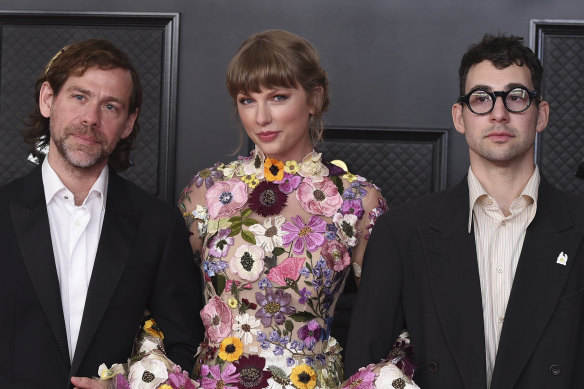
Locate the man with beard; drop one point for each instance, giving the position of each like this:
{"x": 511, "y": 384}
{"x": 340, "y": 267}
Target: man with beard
{"x": 488, "y": 277}
{"x": 84, "y": 252}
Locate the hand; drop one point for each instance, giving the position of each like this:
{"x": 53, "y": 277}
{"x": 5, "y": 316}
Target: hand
{"x": 88, "y": 383}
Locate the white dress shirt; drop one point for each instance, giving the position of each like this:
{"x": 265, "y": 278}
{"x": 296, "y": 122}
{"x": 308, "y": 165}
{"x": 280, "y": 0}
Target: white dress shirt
{"x": 75, "y": 232}
{"x": 499, "y": 240}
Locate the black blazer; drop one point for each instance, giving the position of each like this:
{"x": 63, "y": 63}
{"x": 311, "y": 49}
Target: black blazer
{"x": 143, "y": 261}
{"x": 420, "y": 272}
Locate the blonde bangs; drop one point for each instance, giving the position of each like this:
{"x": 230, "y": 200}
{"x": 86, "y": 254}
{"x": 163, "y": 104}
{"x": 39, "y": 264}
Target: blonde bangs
{"x": 262, "y": 64}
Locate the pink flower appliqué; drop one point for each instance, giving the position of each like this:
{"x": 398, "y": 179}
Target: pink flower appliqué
{"x": 336, "y": 255}
{"x": 363, "y": 379}
{"x": 226, "y": 197}
{"x": 309, "y": 235}
{"x": 217, "y": 319}
{"x": 289, "y": 268}
{"x": 218, "y": 379}
{"x": 319, "y": 198}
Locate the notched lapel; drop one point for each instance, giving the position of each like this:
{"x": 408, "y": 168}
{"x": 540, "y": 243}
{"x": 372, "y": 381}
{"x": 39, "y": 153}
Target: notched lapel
{"x": 34, "y": 239}
{"x": 450, "y": 254}
{"x": 117, "y": 235}
{"x": 537, "y": 286}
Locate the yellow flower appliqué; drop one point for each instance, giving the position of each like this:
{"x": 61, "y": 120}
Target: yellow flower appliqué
{"x": 291, "y": 167}
{"x": 232, "y": 302}
{"x": 230, "y": 349}
{"x": 273, "y": 169}
{"x": 250, "y": 180}
{"x": 303, "y": 377}
{"x": 152, "y": 328}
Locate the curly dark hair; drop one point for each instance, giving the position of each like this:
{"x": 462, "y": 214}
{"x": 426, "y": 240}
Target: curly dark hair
{"x": 502, "y": 51}
{"x": 74, "y": 60}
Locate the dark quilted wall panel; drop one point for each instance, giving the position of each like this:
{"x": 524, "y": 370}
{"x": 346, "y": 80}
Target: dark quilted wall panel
{"x": 26, "y": 48}
{"x": 561, "y": 146}
{"x": 404, "y": 164}
{"x": 402, "y": 170}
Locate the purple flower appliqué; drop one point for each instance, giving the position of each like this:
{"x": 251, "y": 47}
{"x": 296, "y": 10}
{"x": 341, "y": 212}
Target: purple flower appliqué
{"x": 310, "y": 333}
{"x": 274, "y": 305}
{"x": 288, "y": 183}
{"x": 220, "y": 244}
{"x": 207, "y": 176}
{"x": 354, "y": 207}
{"x": 305, "y": 295}
{"x": 309, "y": 235}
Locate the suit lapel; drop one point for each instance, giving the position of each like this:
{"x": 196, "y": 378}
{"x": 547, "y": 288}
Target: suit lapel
{"x": 31, "y": 224}
{"x": 537, "y": 285}
{"x": 450, "y": 255}
{"x": 117, "y": 235}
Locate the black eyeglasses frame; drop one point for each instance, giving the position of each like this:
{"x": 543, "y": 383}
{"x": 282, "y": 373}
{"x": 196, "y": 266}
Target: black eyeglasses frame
{"x": 465, "y": 99}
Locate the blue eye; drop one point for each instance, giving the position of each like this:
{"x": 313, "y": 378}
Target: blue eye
{"x": 280, "y": 98}
{"x": 78, "y": 97}
{"x": 110, "y": 107}
{"x": 245, "y": 100}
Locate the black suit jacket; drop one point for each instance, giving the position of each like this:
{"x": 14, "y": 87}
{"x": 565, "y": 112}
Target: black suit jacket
{"x": 143, "y": 261}
{"x": 420, "y": 272}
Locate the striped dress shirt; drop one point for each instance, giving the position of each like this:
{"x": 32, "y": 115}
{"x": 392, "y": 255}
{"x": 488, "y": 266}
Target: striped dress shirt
{"x": 499, "y": 240}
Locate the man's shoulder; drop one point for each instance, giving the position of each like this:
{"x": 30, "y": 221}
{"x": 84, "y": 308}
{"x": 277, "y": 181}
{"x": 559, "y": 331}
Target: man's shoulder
{"x": 126, "y": 194}
{"x": 17, "y": 187}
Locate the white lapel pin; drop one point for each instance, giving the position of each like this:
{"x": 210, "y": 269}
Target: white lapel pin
{"x": 562, "y": 259}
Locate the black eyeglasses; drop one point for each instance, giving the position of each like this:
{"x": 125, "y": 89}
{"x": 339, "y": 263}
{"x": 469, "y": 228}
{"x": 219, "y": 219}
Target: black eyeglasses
{"x": 516, "y": 100}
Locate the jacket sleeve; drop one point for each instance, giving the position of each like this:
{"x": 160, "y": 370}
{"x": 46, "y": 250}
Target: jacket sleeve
{"x": 377, "y": 318}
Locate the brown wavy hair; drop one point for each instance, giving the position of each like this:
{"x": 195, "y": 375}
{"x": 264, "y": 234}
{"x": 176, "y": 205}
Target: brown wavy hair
{"x": 280, "y": 59}
{"x": 74, "y": 60}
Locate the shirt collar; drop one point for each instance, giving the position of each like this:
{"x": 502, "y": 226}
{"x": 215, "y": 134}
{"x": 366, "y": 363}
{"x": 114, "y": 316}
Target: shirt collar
{"x": 52, "y": 184}
{"x": 476, "y": 191}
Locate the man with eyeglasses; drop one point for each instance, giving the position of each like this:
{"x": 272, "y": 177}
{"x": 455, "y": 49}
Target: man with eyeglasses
{"x": 488, "y": 277}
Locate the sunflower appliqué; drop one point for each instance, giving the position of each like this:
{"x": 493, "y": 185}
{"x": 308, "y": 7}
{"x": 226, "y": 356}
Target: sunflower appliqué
{"x": 230, "y": 349}
{"x": 303, "y": 377}
{"x": 273, "y": 169}
{"x": 152, "y": 328}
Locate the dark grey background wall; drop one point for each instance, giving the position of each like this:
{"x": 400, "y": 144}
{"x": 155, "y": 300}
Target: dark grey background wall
{"x": 391, "y": 63}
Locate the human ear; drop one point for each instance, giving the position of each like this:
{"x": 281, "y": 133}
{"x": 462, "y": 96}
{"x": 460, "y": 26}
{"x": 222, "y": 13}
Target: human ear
{"x": 46, "y": 96}
{"x": 457, "y": 118}
{"x": 315, "y": 99}
{"x": 543, "y": 114}
{"x": 129, "y": 126}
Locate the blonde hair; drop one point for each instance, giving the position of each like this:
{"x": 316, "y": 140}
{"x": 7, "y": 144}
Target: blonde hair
{"x": 277, "y": 58}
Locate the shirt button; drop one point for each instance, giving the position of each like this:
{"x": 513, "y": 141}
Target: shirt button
{"x": 503, "y": 223}
{"x": 433, "y": 367}
{"x": 500, "y": 269}
{"x": 501, "y": 318}
{"x": 555, "y": 369}
{"x": 489, "y": 202}
{"x": 76, "y": 223}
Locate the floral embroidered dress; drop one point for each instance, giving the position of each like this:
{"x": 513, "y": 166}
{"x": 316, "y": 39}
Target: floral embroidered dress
{"x": 276, "y": 240}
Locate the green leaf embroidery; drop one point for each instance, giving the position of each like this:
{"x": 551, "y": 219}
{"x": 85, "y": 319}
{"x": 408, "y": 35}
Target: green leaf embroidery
{"x": 245, "y": 213}
{"x": 338, "y": 183}
{"x": 289, "y": 325}
{"x": 218, "y": 282}
{"x": 277, "y": 251}
{"x": 302, "y": 316}
{"x": 248, "y": 237}
{"x": 250, "y": 222}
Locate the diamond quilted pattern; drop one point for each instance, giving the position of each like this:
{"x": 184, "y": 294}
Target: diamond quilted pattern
{"x": 562, "y": 143}
{"x": 404, "y": 170}
{"x": 24, "y": 52}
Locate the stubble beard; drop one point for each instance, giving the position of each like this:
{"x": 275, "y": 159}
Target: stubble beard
{"x": 500, "y": 152}
{"x": 80, "y": 155}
